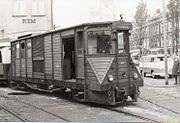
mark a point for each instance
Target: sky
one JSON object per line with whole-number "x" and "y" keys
{"x": 72, "y": 12}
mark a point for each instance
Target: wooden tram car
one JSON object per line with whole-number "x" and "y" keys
{"x": 91, "y": 59}
{"x": 5, "y": 59}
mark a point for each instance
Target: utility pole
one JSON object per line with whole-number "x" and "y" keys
{"x": 165, "y": 44}
{"x": 177, "y": 27}
{"x": 52, "y": 19}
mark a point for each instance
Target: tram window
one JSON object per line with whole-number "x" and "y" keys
{"x": 121, "y": 42}
{"x": 13, "y": 51}
{"x": 17, "y": 51}
{"x": 29, "y": 50}
{"x": 99, "y": 42}
{"x": 22, "y": 50}
{"x": 80, "y": 43}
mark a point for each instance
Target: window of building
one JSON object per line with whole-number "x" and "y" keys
{"x": 158, "y": 30}
{"x": 152, "y": 59}
{"x": 162, "y": 27}
{"x": 170, "y": 27}
{"x": 19, "y": 8}
{"x": 166, "y": 26}
{"x": 38, "y": 7}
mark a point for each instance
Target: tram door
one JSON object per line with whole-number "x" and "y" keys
{"x": 69, "y": 58}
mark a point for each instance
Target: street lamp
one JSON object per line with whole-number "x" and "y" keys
{"x": 165, "y": 44}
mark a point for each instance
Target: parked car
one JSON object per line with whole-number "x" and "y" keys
{"x": 154, "y": 65}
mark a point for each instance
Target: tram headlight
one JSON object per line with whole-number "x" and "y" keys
{"x": 110, "y": 78}
{"x": 135, "y": 76}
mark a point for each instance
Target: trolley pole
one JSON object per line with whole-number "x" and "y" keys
{"x": 165, "y": 44}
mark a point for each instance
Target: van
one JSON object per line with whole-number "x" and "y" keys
{"x": 154, "y": 65}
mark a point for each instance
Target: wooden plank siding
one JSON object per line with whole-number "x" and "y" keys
{"x": 29, "y": 64}
{"x": 38, "y": 75}
{"x": 13, "y": 63}
{"x": 23, "y": 68}
{"x": 57, "y": 56}
{"x": 29, "y": 67}
{"x": 48, "y": 57}
{"x": 91, "y": 77}
{"x": 38, "y": 48}
{"x": 123, "y": 81}
{"x": 38, "y": 57}
{"x": 17, "y": 68}
{"x": 13, "y": 70}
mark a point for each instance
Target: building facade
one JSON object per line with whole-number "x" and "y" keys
{"x": 20, "y": 17}
{"x": 152, "y": 34}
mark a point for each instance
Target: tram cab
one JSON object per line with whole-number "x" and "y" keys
{"x": 109, "y": 68}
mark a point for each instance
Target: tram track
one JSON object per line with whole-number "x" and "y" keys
{"x": 131, "y": 114}
{"x": 120, "y": 110}
{"x": 31, "y": 105}
{"x": 15, "y": 114}
{"x": 103, "y": 107}
{"x": 160, "y": 106}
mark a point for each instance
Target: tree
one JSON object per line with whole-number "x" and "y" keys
{"x": 173, "y": 17}
{"x": 140, "y": 17}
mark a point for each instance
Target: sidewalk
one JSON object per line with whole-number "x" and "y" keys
{"x": 160, "y": 82}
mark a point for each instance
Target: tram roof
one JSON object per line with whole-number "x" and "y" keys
{"x": 71, "y": 27}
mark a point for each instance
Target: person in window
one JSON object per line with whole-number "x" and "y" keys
{"x": 103, "y": 44}
{"x": 176, "y": 68}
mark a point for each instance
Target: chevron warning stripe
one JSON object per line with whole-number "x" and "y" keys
{"x": 100, "y": 66}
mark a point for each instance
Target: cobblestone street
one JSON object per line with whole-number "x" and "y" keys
{"x": 166, "y": 95}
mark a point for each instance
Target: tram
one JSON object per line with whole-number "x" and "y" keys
{"x": 92, "y": 60}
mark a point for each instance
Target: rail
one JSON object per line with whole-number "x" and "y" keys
{"x": 31, "y": 105}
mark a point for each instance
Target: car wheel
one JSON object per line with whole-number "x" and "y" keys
{"x": 170, "y": 76}
{"x": 144, "y": 74}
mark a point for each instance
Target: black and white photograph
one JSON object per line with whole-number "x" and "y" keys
{"x": 90, "y": 61}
